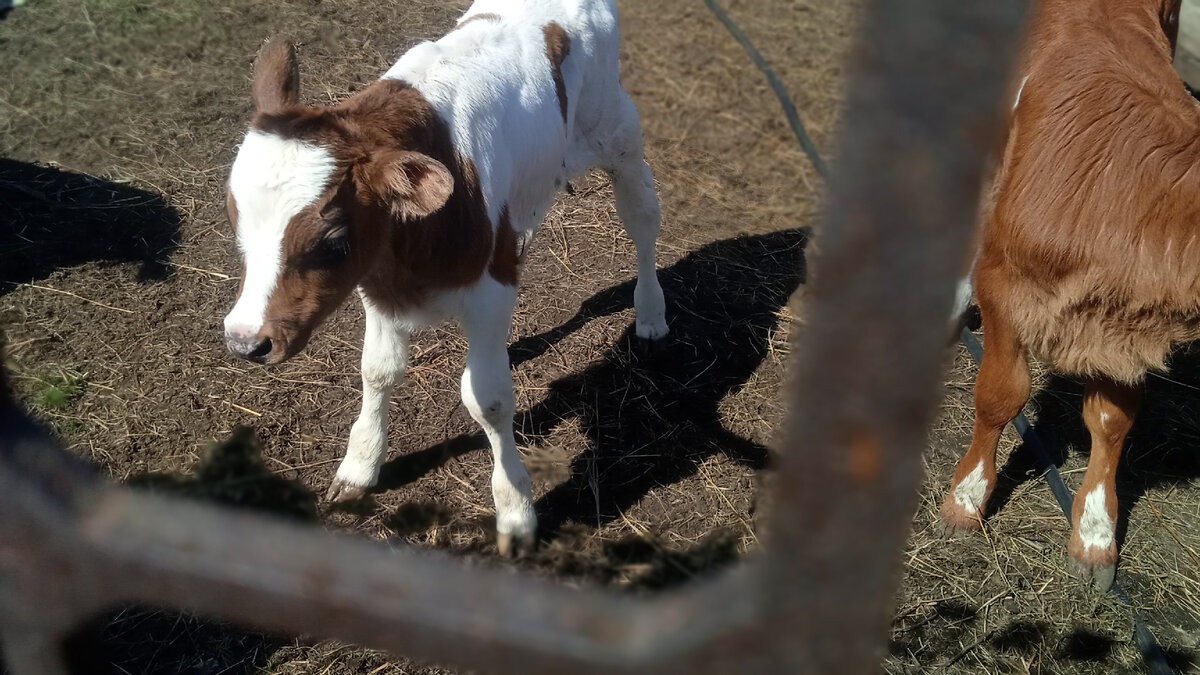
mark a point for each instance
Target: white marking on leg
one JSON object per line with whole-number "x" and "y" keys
{"x": 487, "y": 393}
{"x": 272, "y": 179}
{"x": 1019, "y": 90}
{"x": 384, "y": 358}
{"x": 962, "y": 298}
{"x": 969, "y": 493}
{"x": 1096, "y": 528}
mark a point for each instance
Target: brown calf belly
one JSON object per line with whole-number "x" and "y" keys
{"x": 1092, "y": 335}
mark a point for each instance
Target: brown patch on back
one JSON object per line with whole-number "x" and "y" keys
{"x": 558, "y": 47}
{"x": 482, "y": 16}
{"x": 506, "y": 258}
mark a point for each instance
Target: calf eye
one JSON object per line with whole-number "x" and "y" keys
{"x": 328, "y": 250}
{"x": 332, "y": 249}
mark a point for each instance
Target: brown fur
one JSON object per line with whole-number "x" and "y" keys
{"x": 558, "y": 47}
{"x": 1088, "y": 256}
{"x": 507, "y": 257}
{"x": 1090, "y": 247}
{"x": 276, "y": 77}
{"x": 393, "y": 152}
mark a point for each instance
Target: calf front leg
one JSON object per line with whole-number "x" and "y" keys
{"x": 384, "y": 358}
{"x": 1109, "y": 409}
{"x": 487, "y": 392}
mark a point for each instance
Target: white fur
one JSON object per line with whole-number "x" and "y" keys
{"x": 487, "y": 393}
{"x": 1021, "y": 88}
{"x": 384, "y": 359}
{"x": 490, "y": 81}
{"x": 272, "y": 180}
{"x": 962, "y": 297}
{"x": 969, "y": 493}
{"x": 1096, "y": 528}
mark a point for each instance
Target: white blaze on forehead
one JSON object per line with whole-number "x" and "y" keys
{"x": 1096, "y": 529}
{"x": 273, "y": 179}
{"x": 969, "y": 493}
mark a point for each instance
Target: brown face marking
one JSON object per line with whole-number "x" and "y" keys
{"x": 402, "y": 243}
{"x": 232, "y": 211}
{"x": 505, "y": 257}
{"x": 558, "y": 47}
{"x": 401, "y": 258}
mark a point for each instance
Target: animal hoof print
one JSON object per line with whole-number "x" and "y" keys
{"x": 341, "y": 491}
{"x": 514, "y": 546}
{"x": 1099, "y": 578}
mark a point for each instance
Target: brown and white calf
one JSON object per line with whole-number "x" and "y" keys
{"x": 1090, "y": 255}
{"x": 421, "y": 192}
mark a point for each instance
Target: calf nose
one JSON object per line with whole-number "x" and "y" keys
{"x": 253, "y": 348}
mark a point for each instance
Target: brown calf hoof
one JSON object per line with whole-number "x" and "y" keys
{"x": 513, "y": 546}
{"x": 958, "y": 519}
{"x": 1099, "y": 577}
{"x": 341, "y": 491}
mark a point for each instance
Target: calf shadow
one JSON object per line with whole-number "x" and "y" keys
{"x": 651, "y": 419}
{"x": 50, "y": 219}
{"x": 650, "y": 412}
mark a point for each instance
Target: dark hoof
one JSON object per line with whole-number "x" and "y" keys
{"x": 513, "y": 546}
{"x": 341, "y": 491}
{"x": 645, "y": 348}
{"x": 1099, "y": 578}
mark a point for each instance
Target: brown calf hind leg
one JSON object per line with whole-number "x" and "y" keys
{"x": 1109, "y": 409}
{"x": 1001, "y": 390}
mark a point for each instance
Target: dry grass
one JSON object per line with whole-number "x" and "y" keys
{"x": 645, "y": 470}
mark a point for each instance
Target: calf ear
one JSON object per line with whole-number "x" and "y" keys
{"x": 276, "y": 77}
{"x": 412, "y": 184}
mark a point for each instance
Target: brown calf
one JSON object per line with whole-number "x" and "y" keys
{"x": 1088, "y": 257}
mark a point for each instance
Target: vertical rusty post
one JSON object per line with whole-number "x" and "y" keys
{"x": 923, "y": 108}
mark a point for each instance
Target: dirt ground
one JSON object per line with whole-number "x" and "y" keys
{"x": 118, "y": 122}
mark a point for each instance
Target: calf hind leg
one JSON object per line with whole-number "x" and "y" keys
{"x": 1001, "y": 390}
{"x": 1109, "y": 409}
{"x": 640, "y": 213}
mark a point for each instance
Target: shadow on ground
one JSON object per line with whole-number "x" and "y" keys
{"x": 50, "y": 219}
{"x": 954, "y": 625}
{"x": 650, "y": 412}
{"x": 148, "y": 640}
{"x": 653, "y": 418}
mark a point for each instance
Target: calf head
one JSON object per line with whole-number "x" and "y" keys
{"x": 313, "y": 195}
